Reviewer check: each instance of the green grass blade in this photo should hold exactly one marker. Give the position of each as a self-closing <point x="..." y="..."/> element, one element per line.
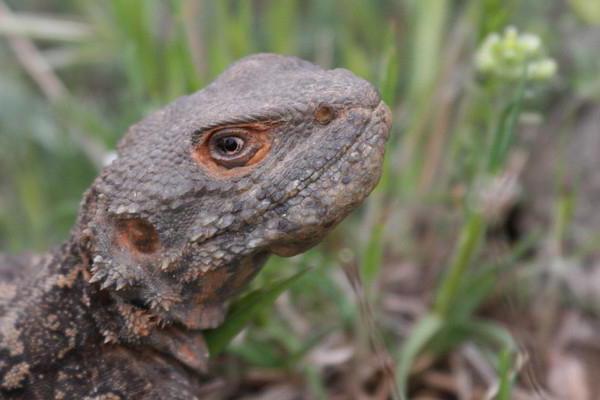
<point x="489" y="333"/>
<point x="243" y="310"/>
<point x="421" y="334"/>
<point x="390" y="70"/>
<point x="373" y="254"/>
<point x="468" y="245"/>
<point x="505" y="364"/>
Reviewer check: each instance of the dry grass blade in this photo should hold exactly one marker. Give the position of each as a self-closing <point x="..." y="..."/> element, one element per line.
<point x="49" y="83"/>
<point x="376" y="342"/>
<point x="31" y="59"/>
<point x="42" y="27"/>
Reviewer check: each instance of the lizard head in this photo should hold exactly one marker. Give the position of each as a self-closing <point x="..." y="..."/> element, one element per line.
<point x="266" y="159"/>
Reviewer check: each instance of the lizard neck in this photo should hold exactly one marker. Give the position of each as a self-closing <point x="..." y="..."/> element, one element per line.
<point x="48" y="316"/>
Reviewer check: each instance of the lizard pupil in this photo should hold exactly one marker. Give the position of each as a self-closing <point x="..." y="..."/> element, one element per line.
<point x="230" y="144"/>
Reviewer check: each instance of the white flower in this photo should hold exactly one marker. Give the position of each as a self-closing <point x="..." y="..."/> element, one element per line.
<point x="508" y="56"/>
<point x="542" y="70"/>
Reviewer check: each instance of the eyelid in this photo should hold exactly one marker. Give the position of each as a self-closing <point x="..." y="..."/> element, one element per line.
<point x="227" y="132"/>
<point x="258" y="127"/>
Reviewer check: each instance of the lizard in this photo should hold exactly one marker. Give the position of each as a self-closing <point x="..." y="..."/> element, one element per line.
<point x="264" y="160"/>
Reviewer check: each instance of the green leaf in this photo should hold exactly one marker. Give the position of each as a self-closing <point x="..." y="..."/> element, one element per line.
<point x="243" y="310"/>
<point x="257" y="353"/>
<point x="421" y="334"/>
<point x="489" y="333"/>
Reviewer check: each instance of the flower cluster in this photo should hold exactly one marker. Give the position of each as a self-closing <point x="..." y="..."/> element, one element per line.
<point x="510" y="55"/>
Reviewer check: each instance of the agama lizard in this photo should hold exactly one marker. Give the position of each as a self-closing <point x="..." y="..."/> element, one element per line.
<point x="264" y="160"/>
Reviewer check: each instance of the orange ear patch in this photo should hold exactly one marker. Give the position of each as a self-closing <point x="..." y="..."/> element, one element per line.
<point x="233" y="150"/>
<point x="137" y="236"/>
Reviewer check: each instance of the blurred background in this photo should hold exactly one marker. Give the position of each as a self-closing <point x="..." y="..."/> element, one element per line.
<point x="472" y="271"/>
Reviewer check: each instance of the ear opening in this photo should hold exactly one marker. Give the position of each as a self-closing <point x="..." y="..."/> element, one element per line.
<point x="137" y="235"/>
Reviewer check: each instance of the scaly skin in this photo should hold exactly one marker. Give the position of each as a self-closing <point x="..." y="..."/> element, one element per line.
<point x="266" y="159"/>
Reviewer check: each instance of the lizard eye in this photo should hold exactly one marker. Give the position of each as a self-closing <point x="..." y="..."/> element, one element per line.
<point x="229" y="145"/>
<point x="232" y="148"/>
<point x="229" y="148"/>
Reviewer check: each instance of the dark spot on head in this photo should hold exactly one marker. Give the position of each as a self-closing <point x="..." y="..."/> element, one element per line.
<point x="137" y="235"/>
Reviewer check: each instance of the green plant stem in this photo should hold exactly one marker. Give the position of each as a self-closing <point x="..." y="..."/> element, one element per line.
<point x="470" y="238"/>
<point x="506" y="375"/>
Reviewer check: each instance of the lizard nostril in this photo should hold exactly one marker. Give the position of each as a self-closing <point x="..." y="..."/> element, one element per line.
<point x="138" y="235"/>
<point x="324" y="114"/>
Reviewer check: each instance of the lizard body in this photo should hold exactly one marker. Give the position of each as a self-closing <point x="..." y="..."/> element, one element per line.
<point x="265" y="160"/>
